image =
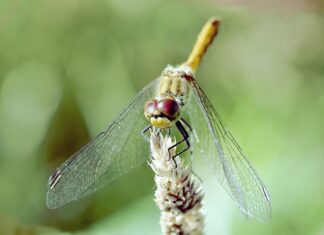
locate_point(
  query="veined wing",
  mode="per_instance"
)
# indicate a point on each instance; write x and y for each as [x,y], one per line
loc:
[112,153]
[231,166]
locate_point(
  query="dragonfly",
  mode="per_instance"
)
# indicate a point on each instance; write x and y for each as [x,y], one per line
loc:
[167,100]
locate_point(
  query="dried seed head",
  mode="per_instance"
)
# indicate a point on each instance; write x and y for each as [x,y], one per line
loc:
[178,193]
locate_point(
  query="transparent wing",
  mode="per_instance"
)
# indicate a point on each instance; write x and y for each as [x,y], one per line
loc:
[111,154]
[231,166]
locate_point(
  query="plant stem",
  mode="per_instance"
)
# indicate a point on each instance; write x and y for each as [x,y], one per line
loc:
[178,192]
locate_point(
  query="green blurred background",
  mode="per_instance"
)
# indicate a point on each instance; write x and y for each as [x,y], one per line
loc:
[67,68]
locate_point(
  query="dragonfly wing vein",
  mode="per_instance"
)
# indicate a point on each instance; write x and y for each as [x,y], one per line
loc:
[112,153]
[226,158]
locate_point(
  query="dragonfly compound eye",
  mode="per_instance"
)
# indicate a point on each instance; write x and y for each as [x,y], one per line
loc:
[150,107]
[169,107]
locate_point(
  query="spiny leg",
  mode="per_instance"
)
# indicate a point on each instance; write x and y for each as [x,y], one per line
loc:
[185,138]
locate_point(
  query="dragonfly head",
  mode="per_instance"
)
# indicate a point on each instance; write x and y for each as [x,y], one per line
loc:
[162,113]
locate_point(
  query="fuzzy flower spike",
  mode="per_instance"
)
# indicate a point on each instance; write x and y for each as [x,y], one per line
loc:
[178,192]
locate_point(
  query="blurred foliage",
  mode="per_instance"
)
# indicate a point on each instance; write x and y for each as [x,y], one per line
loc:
[67,68]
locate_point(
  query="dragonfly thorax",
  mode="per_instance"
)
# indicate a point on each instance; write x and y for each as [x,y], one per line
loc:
[173,83]
[162,112]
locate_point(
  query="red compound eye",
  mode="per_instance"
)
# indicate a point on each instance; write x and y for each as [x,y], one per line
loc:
[150,106]
[169,107]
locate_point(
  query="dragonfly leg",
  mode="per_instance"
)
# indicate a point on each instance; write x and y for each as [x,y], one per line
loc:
[146,129]
[190,128]
[185,139]
[186,123]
